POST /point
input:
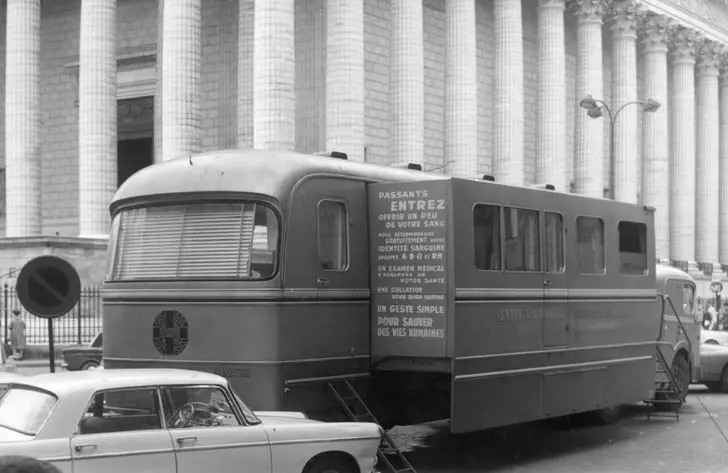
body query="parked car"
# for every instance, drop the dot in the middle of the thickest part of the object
(168, 420)
(83, 358)
(713, 337)
(714, 366)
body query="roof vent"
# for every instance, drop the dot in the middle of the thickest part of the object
(412, 166)
(332, 154)
(488, 177)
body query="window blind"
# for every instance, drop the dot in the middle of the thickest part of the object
(188, 241)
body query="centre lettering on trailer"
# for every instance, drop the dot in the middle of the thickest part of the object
(409, 268)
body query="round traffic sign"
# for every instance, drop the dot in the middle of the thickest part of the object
(716, 286)
(48, 286)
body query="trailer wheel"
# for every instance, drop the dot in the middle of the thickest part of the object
(606, 416)
(681, 370)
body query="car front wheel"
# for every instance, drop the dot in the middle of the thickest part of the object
(724, 380)
(328, 465)
(89, 365)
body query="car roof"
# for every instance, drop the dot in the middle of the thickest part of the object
(93, 380)
(664, 271)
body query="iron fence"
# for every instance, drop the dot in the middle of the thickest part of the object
(77, 327)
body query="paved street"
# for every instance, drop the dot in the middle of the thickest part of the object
(696, 443)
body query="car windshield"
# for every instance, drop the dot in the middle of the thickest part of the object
(247, 413)
(25, 410)
(98, 341)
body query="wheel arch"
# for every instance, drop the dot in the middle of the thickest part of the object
(334, 455)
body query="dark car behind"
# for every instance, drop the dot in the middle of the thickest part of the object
(83, 358)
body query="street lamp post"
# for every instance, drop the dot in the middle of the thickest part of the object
(594, 110)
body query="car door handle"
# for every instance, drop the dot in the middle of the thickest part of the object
(78, 448)
(547, 283)
(182, 440)
(322, 282)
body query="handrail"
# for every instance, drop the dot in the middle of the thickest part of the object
(662, 317)
(667, 298)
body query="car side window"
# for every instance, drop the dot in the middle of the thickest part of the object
(197, 406)
(121, 411)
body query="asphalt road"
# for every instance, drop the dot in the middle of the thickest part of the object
(697, 443)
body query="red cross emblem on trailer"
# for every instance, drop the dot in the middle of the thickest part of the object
(169, 332)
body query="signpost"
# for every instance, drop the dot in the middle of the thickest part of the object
(48, 287)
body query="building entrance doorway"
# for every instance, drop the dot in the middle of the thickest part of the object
(135, 147)
(132, 156)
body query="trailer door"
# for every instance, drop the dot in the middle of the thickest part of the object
(327, 242)
(555, 323)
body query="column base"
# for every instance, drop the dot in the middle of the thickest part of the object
(717, 272)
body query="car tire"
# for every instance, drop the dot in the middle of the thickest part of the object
(713, 385)
(711, 342)
(328, 465)
(89, 365)
(724, 380)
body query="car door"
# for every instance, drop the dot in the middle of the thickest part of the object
(209, 435)
(122, 431)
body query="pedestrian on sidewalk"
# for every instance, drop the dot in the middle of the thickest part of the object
(17, 335)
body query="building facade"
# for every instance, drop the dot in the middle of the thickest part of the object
(95, 90)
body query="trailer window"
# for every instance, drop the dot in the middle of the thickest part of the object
(632, 248)
(554, 239)
(486, 236)
(333, 235)
(590, 245)
(688, 299)
(211, 240)
(522, 245)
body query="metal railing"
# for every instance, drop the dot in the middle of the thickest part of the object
(77, 327)
(666, 298)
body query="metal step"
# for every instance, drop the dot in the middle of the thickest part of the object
(388, 452)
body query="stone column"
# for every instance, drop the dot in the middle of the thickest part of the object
(655, 149)
(274, 75)
(246, 40)
(723, 165)
(682, 133)
(181, 57)
(407, 84)
(708, 149)
(345, 77)
(589, 135)
(97, 117)
(624, 90)
(461, 89)
(22, 119)
(508, 164)
(551, 124)
(158, 92)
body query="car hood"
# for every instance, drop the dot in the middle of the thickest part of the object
(283, 418)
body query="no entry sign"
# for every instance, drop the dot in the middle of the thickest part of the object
(48, 286)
